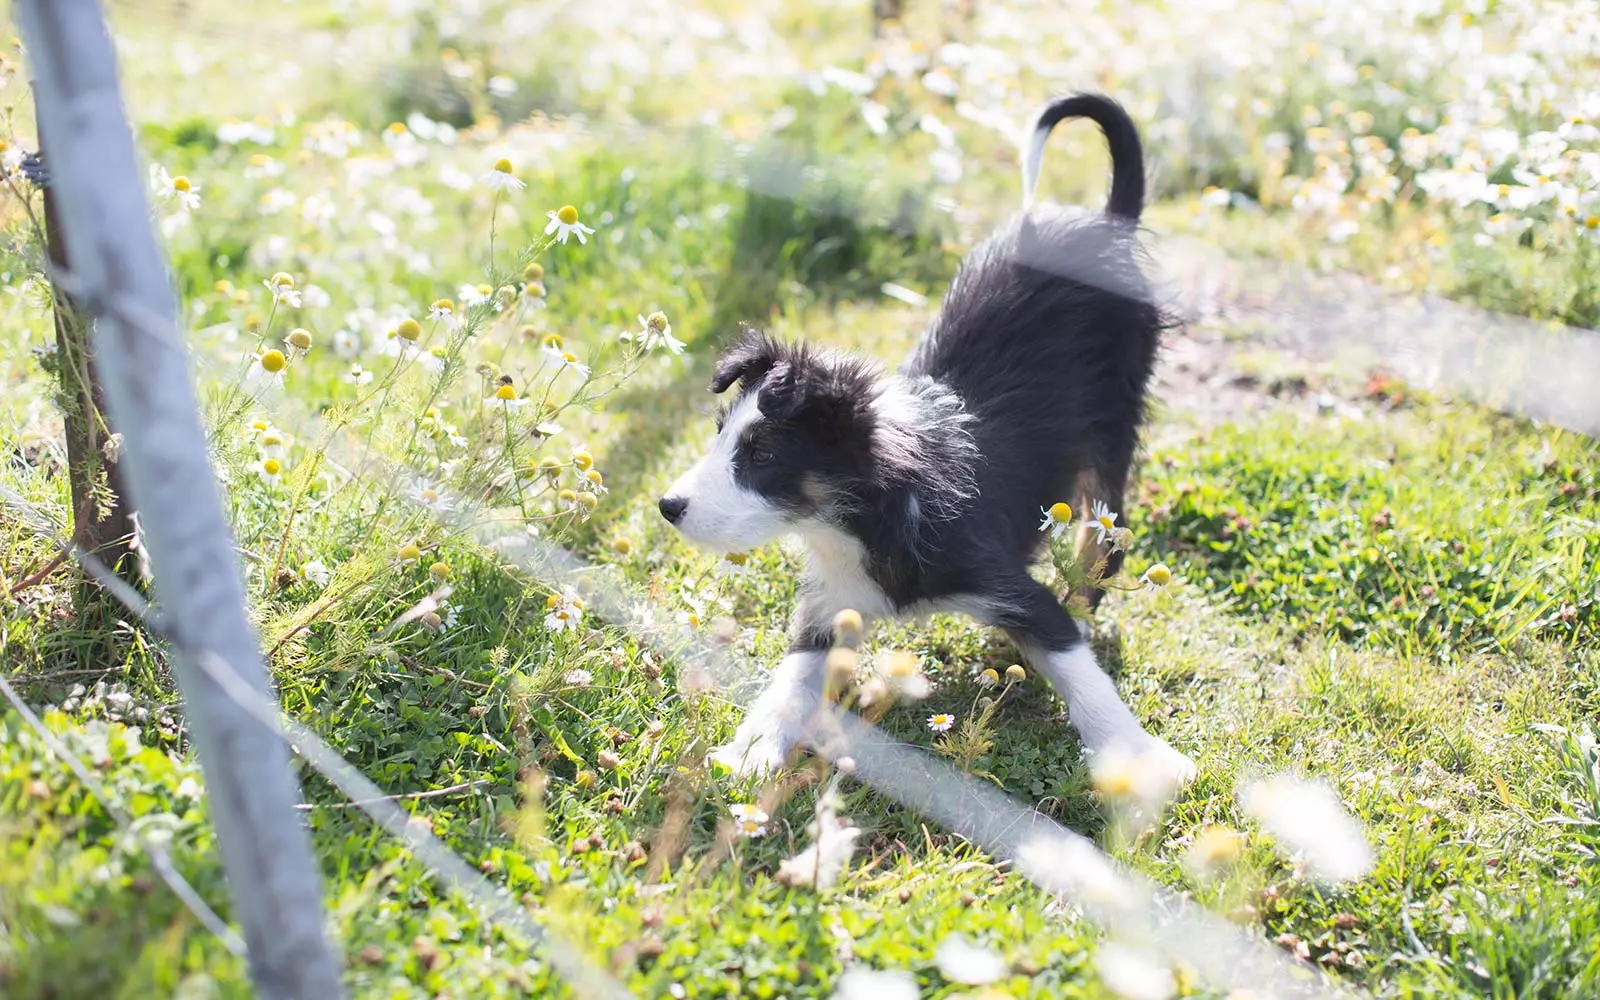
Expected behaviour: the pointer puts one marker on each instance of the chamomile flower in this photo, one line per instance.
(942, 722)
(1157, 576)
(281, 285)
(563, 613)
(357, 375)
(749, 820)
(266, 370)
(430, 497)
(298, 341)
(553, 346)
(346, 344)
(1057, 519)
(505, 395)
(593, 482)
(547, 429)
(657, 332)
(733, 564)
(409, 553)
(270, 469)
(1104, 523)
(169, 188)
(570, 360)
(316, 573)
(578, 678)
(989, 678)
(564, 222)
(500, 178)
(443, 311)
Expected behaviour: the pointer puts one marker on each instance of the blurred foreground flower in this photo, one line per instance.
(1308, 820)
(500, 178)
(961, 961)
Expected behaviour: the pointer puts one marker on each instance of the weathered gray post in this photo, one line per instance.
(117, 272)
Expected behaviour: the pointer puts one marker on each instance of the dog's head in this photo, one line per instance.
(793, 448)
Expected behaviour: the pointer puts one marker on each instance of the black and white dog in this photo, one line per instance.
(923, 490)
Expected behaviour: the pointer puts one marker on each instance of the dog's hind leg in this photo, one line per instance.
(1049, 638)
(1106, 484)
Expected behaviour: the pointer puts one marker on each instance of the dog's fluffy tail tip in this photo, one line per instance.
(1122, 137)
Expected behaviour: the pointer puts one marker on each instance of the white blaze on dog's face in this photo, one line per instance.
(797, 440)
(715, 504)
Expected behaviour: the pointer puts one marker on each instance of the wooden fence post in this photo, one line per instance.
(117, 273)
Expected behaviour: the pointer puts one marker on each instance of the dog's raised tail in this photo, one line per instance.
(1127, 154)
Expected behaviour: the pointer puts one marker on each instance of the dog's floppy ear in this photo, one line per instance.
(828, 396)
(782, 395)
(750, 357)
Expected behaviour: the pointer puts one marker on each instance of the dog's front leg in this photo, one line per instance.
(778, 719)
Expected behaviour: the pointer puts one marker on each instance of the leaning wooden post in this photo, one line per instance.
(117, 273)
(100, 521)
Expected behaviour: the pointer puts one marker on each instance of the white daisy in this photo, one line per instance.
(316, 572)
(282, 288)
(346, 344)
(570, 360)
(1104, 523)
(749, 820)
(358, 375)
(578, 678)
(553, 346)
(505, 396)
(563, 613)
(1057, 519)
(501, 178)
(962, 961)
(167, 187)
(564, 222)
(941, 722)
(657, 332)
(443, 311)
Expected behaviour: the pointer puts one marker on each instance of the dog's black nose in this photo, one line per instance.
(672, 508)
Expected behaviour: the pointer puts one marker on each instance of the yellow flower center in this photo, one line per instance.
(439, 570)
(224, 287)
(271, 439)
(1061, 513)
(505, 392)
(1107, 521)
(300, 339)
(533, 272)
(1159, 574)
(282, 280)
(567, 496)
(621, 546)
(588, 501)
(430, 495)
(1216, 845)
(1592, 222)
(273, 361)
(553, 341)
(991, 676)
(408, 330)
(410, 552)
(272, 467)
(583, 460)
(656, 321)
(594, 476)
(1016, 674)
(940, 720)
(443, 305)
(568, 215)
(737, 558)
(502, 165)
(181, 183)
(259, 425)
(550, 463)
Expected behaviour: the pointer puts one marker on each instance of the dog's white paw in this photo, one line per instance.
(759, 747)
(1142, 767)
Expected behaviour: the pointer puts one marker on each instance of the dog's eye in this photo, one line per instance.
(760, 456)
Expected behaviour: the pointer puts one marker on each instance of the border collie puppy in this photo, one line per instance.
(923, 490)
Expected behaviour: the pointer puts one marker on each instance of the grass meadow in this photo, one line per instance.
(407, 372)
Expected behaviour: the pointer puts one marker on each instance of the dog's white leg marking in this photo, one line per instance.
(1102, 719)
(777, 721)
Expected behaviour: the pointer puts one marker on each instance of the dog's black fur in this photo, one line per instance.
(925, 490)
(1047, 336)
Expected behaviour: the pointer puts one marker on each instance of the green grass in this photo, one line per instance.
(1403, 605)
